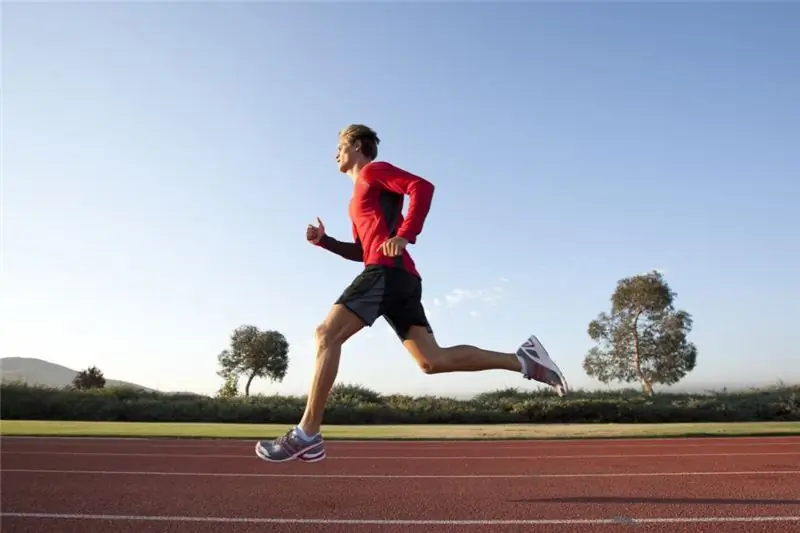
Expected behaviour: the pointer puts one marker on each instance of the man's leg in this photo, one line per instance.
(406, 316)
(340, 325)
(358, 306)
(531, 359)
(433, 359)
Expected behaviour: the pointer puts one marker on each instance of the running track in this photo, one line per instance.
(188, 486)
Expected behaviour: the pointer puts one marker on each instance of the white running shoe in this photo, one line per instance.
(537, 365)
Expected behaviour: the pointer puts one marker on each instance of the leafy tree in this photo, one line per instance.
(643, 338)
(91, 378)
(255, 353)
(230, 388)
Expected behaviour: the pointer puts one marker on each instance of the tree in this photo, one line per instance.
(254, 353)
(230, 388)
(643, 338)
(91, 378)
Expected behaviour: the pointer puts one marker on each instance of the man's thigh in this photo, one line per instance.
(338, 326)
(366, 296)
(402, 319)
(404, 308)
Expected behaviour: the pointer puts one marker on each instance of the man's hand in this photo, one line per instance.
(393, 247)
(315, 233)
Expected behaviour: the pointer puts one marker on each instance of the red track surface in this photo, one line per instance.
(189, 486)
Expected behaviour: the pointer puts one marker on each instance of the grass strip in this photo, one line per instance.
(397, 432)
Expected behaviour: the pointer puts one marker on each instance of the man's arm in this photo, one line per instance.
(349, 250)
(399, 181)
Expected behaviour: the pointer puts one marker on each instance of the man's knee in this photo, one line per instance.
(430, 364)
(325, 336)
(430, 358)
(340, 325)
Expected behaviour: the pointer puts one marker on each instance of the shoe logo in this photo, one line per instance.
(528, 349)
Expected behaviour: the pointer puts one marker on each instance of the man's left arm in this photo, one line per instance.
(419, 190)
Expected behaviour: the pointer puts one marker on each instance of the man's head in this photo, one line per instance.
(358, 145)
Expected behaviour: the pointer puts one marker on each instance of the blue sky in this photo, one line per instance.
(161, 162)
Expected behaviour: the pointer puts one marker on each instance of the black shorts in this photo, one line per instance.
(389, 292)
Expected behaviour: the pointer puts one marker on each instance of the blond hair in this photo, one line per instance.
(368, 138)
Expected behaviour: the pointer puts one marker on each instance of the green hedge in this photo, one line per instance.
(351, 404)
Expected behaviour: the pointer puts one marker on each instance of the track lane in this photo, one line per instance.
(360, 448)
(382, 498)
(488, 453)
(21, 525)
(564, 499)
(250, 464)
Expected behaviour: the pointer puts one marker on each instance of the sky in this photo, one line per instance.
(161, 162)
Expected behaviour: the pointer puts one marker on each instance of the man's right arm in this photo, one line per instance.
(349, 250)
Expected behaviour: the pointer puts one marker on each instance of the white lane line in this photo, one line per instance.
(402, 476)
(379, 522)
(532, 456)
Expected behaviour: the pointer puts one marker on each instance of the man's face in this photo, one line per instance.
(345, 155)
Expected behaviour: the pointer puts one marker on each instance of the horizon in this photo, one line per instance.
(161, 163)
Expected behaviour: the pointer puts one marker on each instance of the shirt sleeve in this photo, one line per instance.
(399, 181)
(349, 250)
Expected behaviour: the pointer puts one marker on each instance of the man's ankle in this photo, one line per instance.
(306, 432)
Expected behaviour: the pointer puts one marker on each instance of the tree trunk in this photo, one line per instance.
(249, 381)
(637, 365)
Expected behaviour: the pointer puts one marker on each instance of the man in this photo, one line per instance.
(389, 286)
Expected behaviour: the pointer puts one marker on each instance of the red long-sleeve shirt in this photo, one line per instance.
(376, 212)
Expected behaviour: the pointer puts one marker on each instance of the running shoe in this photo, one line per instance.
(537, 365)
(291, 446)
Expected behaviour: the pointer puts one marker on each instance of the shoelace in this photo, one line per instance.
(280, 441)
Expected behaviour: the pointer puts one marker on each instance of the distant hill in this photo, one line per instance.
(38, 372)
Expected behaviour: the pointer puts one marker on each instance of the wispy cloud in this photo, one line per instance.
(488, 295)
(457, 297)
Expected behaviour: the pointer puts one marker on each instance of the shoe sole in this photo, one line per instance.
(302, 455)
(312, 457)
(546, 361)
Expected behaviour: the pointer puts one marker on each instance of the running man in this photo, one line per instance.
(389, 286)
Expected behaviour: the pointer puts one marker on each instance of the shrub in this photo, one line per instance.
(355, 404)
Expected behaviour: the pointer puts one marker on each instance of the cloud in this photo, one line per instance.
(489, 295)
(456, 296)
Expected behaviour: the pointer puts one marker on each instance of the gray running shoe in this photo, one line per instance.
(291, 446)
(537, 365)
